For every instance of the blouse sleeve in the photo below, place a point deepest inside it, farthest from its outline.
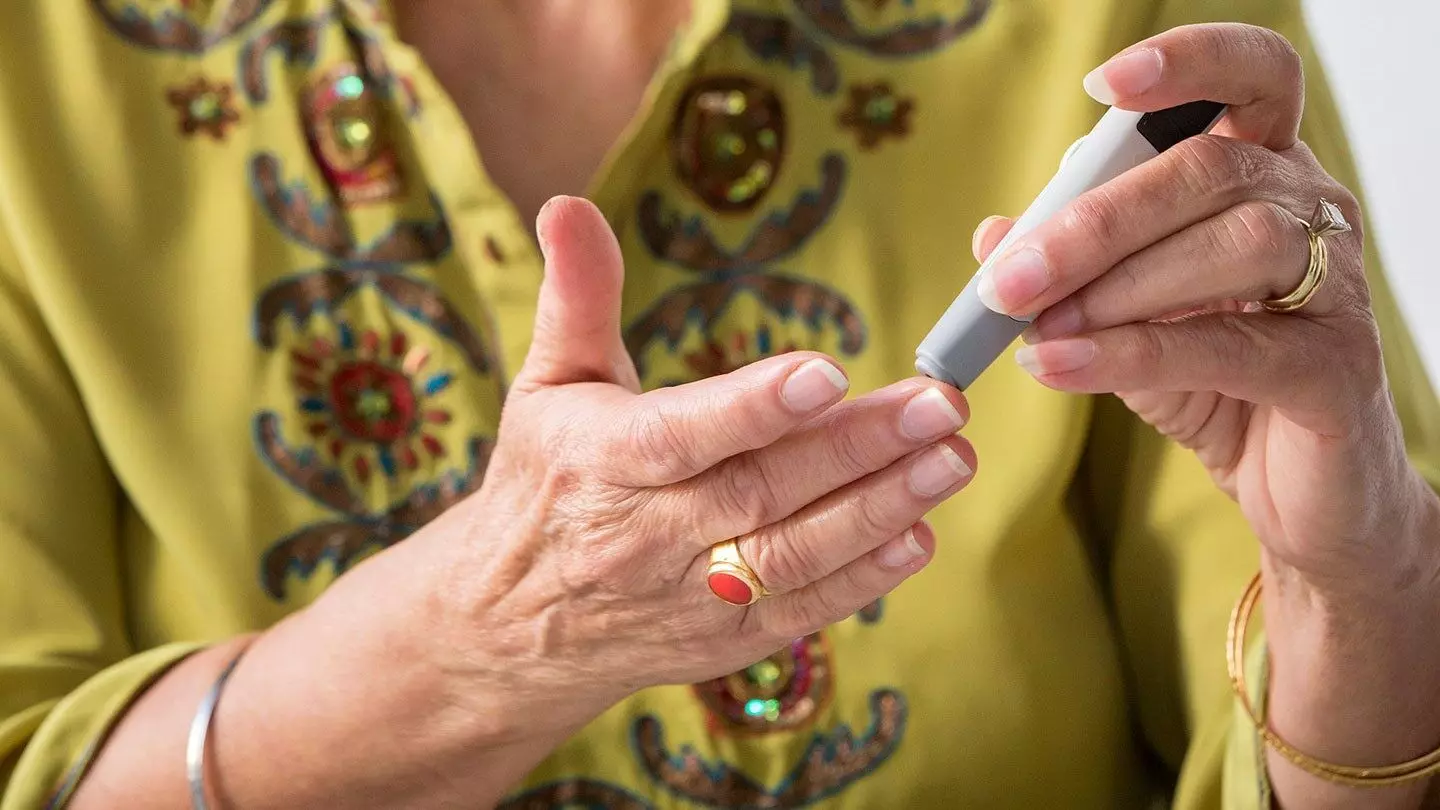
(1176, 551)
(67, 670)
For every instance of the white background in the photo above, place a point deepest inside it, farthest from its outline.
(1383, 61)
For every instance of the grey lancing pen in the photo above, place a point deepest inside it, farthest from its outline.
(970, 336)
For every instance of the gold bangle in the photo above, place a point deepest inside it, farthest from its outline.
(1364, 777)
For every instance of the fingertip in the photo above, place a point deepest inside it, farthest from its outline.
(816, 382)
(988, 235)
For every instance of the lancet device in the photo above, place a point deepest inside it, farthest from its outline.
(970, 336)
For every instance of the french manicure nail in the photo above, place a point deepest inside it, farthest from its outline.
(1125, 76)
(1015, 281)
(1056, 356)
(937, 470)
(901, 551)
(812, 385)
(929, 415)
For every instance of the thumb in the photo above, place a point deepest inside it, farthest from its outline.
(577, 321)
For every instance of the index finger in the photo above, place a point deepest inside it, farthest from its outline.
(1253, 70)
(672, 434)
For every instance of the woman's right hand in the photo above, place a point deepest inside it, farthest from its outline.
(579, 568)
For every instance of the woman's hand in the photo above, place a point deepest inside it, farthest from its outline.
(1148, 287)
(576, 575)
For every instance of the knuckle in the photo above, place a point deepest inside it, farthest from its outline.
(658, 444)
(742, 491)
(1097, 216)
(853, 450)
(786, 561)
(1262, 230)
(1210, 165)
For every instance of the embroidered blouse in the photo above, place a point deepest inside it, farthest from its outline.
(259, 303)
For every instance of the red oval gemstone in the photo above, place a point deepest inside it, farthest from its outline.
(730, 588)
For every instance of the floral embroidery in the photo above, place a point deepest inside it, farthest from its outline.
(701, 306)
(716, 358)
(297, 41)
(348, 138)
(373, 392)
(204, 107)
(345, 541)
(908, 39)
(831, 763)
(876, 112)
(775, 37)
(690, 244)
(778, 693)
(576, 794)
(729, 141)
(179, 30)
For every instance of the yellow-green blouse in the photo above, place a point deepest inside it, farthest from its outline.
(259, 303)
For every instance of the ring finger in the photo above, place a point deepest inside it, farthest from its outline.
(851, 522)
(1253, 252)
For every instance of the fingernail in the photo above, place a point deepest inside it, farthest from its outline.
(1056, 356)
(929, 415)
(812, 385)
(902, 551)
(937, 470)
(1125, 76)
(1060, 321)
(1015, 281)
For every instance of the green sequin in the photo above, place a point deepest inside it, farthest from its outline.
(881, 109)
(768, 709)
(350, 87)
(354, 132)
(374, 405)
(205, 107)
(766, 673)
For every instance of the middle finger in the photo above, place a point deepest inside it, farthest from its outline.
(1190, 183)
(847, 442)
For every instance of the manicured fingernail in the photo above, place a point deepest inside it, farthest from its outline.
(937, 470)
(812, 385)
(902, 551)
(1060, 321)
(1014, 282)
(929, 415)
(1125, 76)
(1056, 356)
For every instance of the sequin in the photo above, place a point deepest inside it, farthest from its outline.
(204, 107)
(729, 141)
(782, 691)
(348, 139)
(875, 113)
(832, 762)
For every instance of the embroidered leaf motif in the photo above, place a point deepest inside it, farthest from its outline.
(831, 763)
(177, 31)
(908, 39)
(691, 245)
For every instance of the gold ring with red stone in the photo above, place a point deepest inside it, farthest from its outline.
(732, 579)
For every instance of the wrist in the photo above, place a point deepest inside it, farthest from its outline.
(1353, 670)
(359, 701)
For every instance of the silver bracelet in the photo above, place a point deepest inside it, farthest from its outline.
(200, 732)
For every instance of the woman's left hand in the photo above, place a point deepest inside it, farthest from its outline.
(1149, 287)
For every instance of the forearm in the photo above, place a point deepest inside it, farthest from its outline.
(1355, 682)
(342, 705)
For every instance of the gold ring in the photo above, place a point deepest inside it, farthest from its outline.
(731, 578)
(1327, 221)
